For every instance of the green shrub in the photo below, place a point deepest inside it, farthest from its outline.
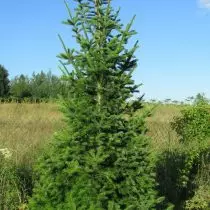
(177, 171)
(200, 200)
(178, 168)
(193, 123)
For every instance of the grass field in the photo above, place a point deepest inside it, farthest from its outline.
(159, 126)
(24, 128)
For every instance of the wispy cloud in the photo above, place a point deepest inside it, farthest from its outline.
(204, 3)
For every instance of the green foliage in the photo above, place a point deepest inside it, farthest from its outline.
(15, 182)
(20, 87)
(9, 192)
(102, 160)
(194, 122)
(4, 82)
(177, 171)
(40, 87)
(45, 85)
(178, 168)
(200, 99)
(200, 200)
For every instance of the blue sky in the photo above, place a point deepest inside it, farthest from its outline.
(174, 36)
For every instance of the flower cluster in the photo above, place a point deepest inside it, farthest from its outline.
(6, 153)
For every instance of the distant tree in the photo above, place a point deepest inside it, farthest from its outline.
(189, 99)
(175, 102)
(20, 87)
(46, 85)
(4, 82)
(56, 85)
(40, 85)
(153, 101)
(200, 98)
(167, 100)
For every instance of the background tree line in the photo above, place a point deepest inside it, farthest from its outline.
(40, 86)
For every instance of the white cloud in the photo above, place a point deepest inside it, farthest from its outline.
(204, 3)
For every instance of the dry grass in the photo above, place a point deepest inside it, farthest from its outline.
(24, 128)
(159, 126)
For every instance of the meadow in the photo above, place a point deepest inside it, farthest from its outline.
(27, 129)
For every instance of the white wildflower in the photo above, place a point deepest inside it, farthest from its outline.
(6, 153)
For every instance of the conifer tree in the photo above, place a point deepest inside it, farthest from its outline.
(4, 82)
(102, 159)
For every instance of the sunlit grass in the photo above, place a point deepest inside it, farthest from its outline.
(25, 128)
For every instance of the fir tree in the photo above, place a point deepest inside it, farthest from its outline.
(4, 82)
(102, 160)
